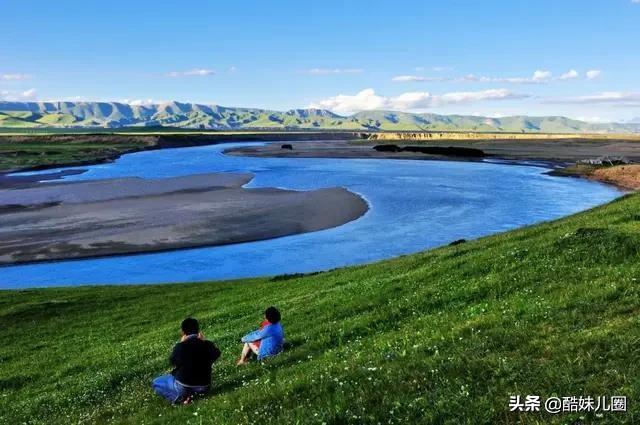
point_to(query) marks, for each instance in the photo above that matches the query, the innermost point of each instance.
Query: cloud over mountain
(367, 99)
(611, 97)
(12, 95)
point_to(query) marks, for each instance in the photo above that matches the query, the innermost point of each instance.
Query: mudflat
(55, 221)
(561, 151)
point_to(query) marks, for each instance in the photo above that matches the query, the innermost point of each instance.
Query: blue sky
(567, 57)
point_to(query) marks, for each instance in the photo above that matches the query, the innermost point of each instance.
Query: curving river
(414, 205)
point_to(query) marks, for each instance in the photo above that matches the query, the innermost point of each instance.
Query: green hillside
(17, 120)
(196, 116)
(444, 336)
(62, 120)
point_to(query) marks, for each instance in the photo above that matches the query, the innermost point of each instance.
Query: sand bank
(56, 221)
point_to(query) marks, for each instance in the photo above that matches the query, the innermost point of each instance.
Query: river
(414, 205)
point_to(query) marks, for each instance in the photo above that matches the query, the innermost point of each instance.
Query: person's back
(192, 359)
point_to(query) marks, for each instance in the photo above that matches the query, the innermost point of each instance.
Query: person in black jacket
(192, 359)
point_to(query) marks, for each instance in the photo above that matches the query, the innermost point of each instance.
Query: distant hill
(214, 117)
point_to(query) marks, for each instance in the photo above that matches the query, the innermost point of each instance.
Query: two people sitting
(193, 357)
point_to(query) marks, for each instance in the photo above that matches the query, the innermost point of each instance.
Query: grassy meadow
(443, 336)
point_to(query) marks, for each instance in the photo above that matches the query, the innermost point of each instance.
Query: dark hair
(190, 326)
(272, 314)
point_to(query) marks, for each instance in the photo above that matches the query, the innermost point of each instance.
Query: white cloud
(18, 96)
(593, 74)
(415, 78)
(612, 97)
(404, 78)
(232, 69)
(442, 68)
(201, 72)
(538, 77)
(334, 71)
(570, 75)
(140, 102)
(368, 100)
(364, 100)
(595, 120)
(14, 77)
(465, 97)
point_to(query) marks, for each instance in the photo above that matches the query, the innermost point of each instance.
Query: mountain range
(26, 115)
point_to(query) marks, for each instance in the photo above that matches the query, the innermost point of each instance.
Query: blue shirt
(271, 339)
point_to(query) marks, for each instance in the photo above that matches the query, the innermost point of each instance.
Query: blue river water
(414, 205)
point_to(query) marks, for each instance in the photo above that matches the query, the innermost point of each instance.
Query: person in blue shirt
(266, 341)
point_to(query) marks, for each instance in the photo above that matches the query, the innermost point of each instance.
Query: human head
(190, 326)
(272, 314)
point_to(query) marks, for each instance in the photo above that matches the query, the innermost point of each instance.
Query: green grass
(17, 119)
(444, 336)
(19, 155)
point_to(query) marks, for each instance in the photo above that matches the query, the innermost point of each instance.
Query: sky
(578, 58)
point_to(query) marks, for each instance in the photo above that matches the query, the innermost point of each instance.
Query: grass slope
(16, 120)
(443, 336)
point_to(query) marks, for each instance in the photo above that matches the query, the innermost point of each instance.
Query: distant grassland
(345, 134)
(35, 154)
(443, 336)
(37, 150)
(40, 148)
(458, 135)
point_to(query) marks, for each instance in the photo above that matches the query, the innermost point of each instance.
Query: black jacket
(192, 360)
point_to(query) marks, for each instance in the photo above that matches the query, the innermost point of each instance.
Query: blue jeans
(167, 387)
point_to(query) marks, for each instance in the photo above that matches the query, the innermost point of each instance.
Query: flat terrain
(444, 336)
(122, 216)
(561, 151)
(41, 151)
(17, 153)
(560, 154)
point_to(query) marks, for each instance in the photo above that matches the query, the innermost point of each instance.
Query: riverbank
(626, 177)
(56, 221)
(547, 310)
(558, 154)
(558, 151)
(44, 151)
